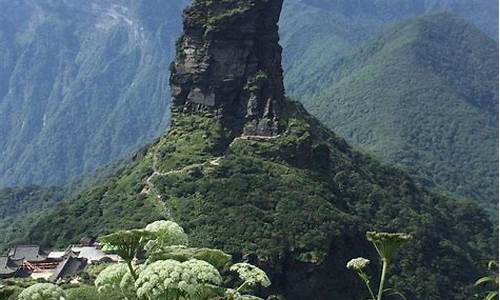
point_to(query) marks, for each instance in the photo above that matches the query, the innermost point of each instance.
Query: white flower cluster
(251, 275)
(205, 273)
(111, 277)
(358, 264)
(167, 233)
(235, 295)
(42, 291)
(127, 284)
(162, 277)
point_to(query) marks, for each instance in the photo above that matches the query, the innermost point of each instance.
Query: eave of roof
(27, 252)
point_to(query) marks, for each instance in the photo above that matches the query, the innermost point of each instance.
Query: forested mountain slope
(423, 95)
(317, 33)
(245, 170)
(81, 83)
(21, 207)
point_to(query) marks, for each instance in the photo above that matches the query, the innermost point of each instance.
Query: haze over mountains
(81, 83)
(317, 33)
(84, 83)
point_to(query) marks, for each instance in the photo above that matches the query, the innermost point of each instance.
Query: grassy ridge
(317, 33)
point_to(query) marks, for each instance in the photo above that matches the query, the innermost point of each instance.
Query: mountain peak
(229, 64)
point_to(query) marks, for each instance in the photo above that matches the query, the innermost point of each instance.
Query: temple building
(10, 268)
(31, 261)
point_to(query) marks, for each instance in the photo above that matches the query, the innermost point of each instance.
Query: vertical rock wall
(229, 63)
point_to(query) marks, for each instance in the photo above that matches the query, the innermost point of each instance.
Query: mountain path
(150, 187)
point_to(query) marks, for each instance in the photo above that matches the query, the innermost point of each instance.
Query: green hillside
(300, 202)
(83, 83)
(21, 207)
(423, 95)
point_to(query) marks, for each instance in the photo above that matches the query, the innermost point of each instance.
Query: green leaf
(491, 295)
(484, 280)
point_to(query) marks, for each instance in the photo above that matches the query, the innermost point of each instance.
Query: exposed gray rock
(229, 63)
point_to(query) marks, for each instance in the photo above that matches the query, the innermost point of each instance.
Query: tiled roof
(27, 252)
(57, 254)
(70, 266)
(92, 254)
(8, 266)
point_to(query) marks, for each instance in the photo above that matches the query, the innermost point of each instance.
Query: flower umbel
(387, 244)
(111, 277)
(251, 275)
(167, 234)
(162, 276)
(42, 291)
(203, 271)
(358, 264)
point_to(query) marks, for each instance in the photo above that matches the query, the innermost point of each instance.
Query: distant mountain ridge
(423, 95)
(77, 83)
(317, 33)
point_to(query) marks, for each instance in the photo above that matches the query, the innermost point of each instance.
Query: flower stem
(366, 280)
(370, 290)
(385, 264)
(131, 269)
(123, 293)
(242, 286)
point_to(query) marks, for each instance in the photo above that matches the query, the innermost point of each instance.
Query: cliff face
(81, 83)
(229, 63)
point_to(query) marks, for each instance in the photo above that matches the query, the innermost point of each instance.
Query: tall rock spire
(229, 63)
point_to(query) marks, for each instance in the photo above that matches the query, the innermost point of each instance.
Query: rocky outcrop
(229, 64)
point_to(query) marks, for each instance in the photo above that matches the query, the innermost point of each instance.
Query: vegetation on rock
(296, 202)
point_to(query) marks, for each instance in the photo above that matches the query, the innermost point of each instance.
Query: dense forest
(21, 207)
(424, 95)
(281, 200)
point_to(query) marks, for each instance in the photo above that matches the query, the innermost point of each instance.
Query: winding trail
(258, 138)
(150, 187)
